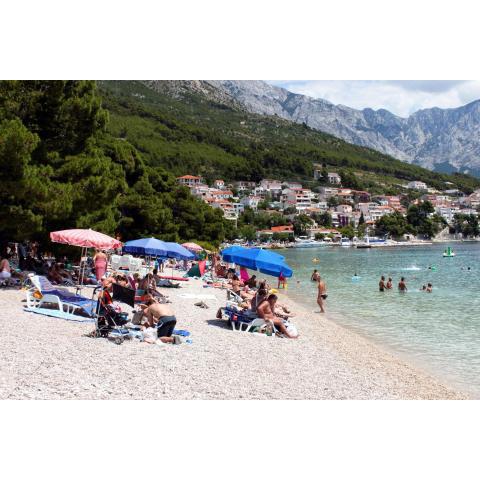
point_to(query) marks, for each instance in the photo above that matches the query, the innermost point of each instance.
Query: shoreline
(47, 358)
(383, 349)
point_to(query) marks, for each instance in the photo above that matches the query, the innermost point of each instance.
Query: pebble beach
(47, 358)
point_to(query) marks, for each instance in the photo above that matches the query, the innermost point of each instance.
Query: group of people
(261, 301)
(402, 285)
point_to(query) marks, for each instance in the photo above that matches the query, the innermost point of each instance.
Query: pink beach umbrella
(85, 238)
(193, 247)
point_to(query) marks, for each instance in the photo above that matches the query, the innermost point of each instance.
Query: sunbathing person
(258, 298)
(265, 310)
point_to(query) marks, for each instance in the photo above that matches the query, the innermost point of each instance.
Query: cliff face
(439, 139)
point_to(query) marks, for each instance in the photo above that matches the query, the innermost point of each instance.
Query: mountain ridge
(435, 138)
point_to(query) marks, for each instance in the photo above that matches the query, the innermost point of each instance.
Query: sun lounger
(47, 299)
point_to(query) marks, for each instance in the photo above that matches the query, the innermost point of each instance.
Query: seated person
(148, 285)
(265, 310)
(5, 269)
(122, 280)
(54, 275)
(156, 276)
(236, 285)
(252, 282)
(258, 298)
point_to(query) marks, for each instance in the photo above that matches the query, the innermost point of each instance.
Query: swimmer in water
(429, 288)
(389, 285)
(424, 288)
(315, 276)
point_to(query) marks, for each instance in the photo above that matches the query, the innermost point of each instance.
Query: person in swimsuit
(161, 316)
(429, 288)
(402, 286)
(389, 284)
(100, 262)
(381, 284)
(315, 276)
(322, 294)
(266, 311)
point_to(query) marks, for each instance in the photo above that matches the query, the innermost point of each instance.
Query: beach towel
(199, 296)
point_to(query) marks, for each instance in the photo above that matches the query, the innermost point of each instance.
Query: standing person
(402, 286)
(389, 284)
(381, 284)
(100, 263)
(22, 255)
(315, 276)
(322, 293)
(282, 281)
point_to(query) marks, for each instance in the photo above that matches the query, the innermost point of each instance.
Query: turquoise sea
(439, 332)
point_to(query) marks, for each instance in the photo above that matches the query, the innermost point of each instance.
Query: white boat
(345, 242)
(303, 242)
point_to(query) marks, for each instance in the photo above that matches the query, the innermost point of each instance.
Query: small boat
(306, 243)
(345, 242)
(449, 252)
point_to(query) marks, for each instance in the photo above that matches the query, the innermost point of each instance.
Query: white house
(189, 180)
(251, 201)
(417, 185)
(334, 178)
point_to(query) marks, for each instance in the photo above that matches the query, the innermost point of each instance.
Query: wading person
(381, 284)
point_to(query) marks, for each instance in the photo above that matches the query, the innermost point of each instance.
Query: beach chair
(47, 299)
(238, 318)
(115, 262)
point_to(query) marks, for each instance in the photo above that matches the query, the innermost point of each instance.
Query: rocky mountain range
(445, 140)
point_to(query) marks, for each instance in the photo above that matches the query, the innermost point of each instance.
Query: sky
(401, 97)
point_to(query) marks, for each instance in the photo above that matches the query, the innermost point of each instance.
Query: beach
(48, 358)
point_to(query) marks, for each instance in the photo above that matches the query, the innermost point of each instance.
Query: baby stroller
(109, 322)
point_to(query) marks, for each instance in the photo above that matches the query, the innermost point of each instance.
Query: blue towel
(182, 333)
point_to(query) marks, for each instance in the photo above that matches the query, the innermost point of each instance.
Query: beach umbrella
(85, 238)
(267, 262)
(193, 247)
(175, 250)
(147, 247)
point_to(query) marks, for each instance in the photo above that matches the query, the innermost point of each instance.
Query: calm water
(438, 331)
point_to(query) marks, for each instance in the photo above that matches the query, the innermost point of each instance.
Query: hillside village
(345, 206)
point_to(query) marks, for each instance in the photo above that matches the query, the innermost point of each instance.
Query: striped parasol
(85, 238)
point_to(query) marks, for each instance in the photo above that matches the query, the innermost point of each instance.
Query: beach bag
(292, 329)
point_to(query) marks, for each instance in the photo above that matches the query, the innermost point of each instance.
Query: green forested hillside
(61, 168)
(194, 134)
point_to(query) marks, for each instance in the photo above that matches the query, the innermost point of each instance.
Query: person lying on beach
(162, 317)
(402, 286)
(322, 294)
(282, 311)
(265, 310)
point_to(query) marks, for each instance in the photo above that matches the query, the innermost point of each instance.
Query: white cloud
(401, 97)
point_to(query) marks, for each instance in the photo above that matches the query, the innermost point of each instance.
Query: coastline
(47, 358)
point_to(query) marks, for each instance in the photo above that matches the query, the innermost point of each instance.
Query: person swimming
(315, 276)
(429, 288)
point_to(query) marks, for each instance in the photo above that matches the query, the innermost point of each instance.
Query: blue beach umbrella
(175, 250)
(267, 262)
(147, 246)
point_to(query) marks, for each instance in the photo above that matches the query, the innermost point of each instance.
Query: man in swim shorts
(402, 286)
(322, 293)
(381, 284)
(161, 316)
